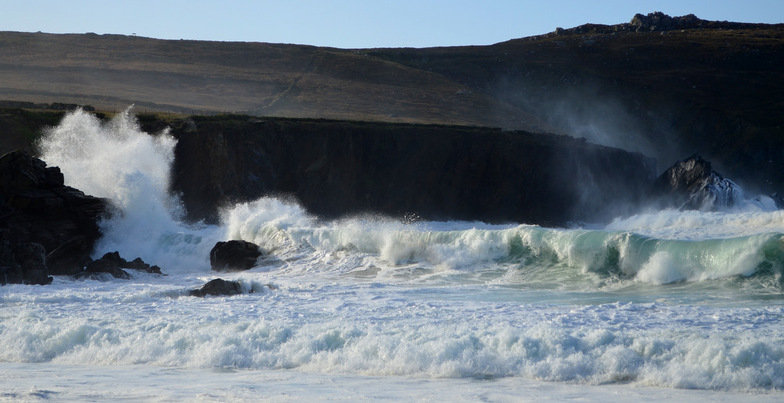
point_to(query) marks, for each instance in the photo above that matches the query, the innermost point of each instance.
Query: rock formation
(37, 208)
(234, 256)
(692, 184)
(218, 286)
(104, 265)
(22, 263)
(71, 257)
(113, 264)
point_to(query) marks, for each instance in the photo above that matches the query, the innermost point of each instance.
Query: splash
(118, 161)
(113, 159)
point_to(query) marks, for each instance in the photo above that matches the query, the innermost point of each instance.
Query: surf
(674, 299)
(117, 160)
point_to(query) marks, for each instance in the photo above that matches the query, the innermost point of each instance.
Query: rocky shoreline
(47, 228)
(336, 169)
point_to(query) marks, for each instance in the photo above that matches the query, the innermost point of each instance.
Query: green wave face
(529, 256)
(625, 256)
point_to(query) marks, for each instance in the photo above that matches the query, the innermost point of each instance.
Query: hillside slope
(666, 87)
(113, 71)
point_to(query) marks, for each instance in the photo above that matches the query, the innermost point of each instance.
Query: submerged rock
(103, 265)
(692, 184)
(112, 263)
(135, 264)
(218, 286)
(234, 256)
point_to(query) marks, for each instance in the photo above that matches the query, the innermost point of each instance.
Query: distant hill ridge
(656, 22)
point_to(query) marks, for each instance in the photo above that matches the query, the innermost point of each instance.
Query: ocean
(662, 306)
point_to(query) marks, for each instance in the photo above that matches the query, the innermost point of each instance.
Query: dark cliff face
(435, 172)
(36, 207)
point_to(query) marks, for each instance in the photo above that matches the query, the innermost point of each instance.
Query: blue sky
(356, 23)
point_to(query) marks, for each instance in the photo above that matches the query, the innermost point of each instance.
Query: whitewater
(663, 305)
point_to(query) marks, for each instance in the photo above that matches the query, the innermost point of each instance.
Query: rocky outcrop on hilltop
(659, 21)
(338, 168)
(692, 184)
(654, 22)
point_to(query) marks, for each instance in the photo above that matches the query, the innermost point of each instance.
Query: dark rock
(9, 270)
(71, 257)
(114, 264)
(139, 264)
(31, 260)
(22, 263)
(114, 258)
(106, 265)
(692, 184)
(135, 264)
(234, 255)
(218, 286)
(36, 207)
(658, 21)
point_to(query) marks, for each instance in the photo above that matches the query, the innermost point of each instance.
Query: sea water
(661, 306)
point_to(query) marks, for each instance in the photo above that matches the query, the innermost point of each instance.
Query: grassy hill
(112, 71)
(666, 87)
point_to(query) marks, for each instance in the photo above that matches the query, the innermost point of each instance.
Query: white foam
(385, 331)
(696, 225)
(29, 382)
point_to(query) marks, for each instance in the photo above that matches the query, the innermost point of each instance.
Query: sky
(356, 23)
